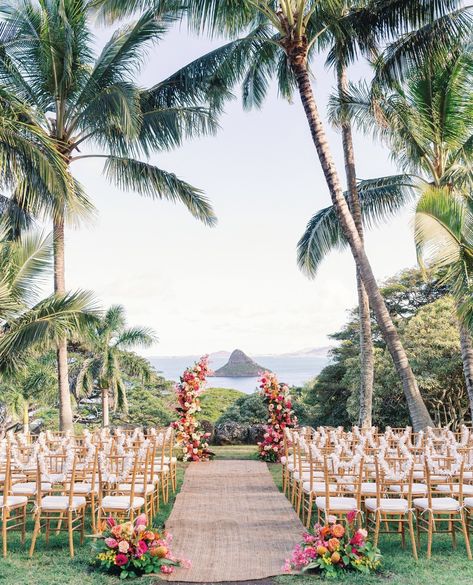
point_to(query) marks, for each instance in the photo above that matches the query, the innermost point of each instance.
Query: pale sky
(236, 285)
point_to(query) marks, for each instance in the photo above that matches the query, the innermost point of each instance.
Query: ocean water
(294, 371)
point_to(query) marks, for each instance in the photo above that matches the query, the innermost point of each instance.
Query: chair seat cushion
(85, 488)
(174, 460)
(418, 489)
(438, 504)
(161, 468)
(398, 505)
(318, 487)
(341, 504)
(455, 488)
(367, 488)
(139, 488)
(61, 503)
(29, 488)
(13, 501)
(122, 503)
(468, 502)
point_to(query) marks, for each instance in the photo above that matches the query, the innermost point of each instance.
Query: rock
(256, 433)
(231, 433)
(239, 365)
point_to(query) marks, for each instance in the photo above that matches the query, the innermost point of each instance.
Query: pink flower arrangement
(280, 417)
(189, 434)
(333, 549)
(131, 549)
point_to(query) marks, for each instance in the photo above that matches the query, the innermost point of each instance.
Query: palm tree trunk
(26, 417)
(418, 412)
(466, 346)
(65, 407)
(366, 340)
(105, 407)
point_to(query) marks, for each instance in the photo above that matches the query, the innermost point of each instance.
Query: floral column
(189, 434)
(281, 415)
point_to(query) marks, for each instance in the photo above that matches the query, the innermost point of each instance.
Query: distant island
(239, 365)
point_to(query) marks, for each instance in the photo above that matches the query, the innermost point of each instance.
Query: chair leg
(71, 535)
(309, 510)
(37, 528)
(5, 515)
(465, 534)
(430, 535)
(92, 512)
(376, 528)
(23, 527)
(412, 535)
(451, 527)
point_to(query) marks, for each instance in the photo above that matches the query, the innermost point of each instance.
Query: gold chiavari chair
(13, 507)
(143, 485)
(170, 459)
(347, 474)
(313, 484)
(386, 508)
(118, 468)
(63, 504)
(441, 507)
(86, 482)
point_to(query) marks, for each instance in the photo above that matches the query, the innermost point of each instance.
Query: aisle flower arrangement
(133, 549)
(333, 549)
(281, 416)
(190, 437)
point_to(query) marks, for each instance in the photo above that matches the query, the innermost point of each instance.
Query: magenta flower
(111, 542)
(121, 560)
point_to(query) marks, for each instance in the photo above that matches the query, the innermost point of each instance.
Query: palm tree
(26, 320)
(426, 122)
(106, 347)
(34, 383)
(97, 104)
(289, 34)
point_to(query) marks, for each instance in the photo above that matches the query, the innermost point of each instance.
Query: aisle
(233, 524)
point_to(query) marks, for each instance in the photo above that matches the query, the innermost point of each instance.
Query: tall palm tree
(290, 32)
(426, 123)
(96, 103)
(107, 346)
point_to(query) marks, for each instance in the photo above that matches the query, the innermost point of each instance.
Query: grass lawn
(51, 564)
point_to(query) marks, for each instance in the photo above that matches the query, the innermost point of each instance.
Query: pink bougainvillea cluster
(189, 434)
(281, 415)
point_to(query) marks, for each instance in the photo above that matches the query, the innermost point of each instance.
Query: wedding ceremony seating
(62, 480)
(394, 482)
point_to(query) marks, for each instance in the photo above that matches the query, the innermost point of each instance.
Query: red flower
(121, 560)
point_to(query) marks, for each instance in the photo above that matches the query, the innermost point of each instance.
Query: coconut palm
(106, 347)
(426, 123)
(94, 107)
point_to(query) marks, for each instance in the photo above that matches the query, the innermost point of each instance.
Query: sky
(236, 285)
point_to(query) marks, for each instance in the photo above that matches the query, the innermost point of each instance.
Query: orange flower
(147, 535)
(338, 530)
(335, 558)
(333, 544)
(325, 531)
(159, 551)
(321, 550)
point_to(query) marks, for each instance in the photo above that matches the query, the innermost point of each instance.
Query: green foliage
(426, 320)
(216, 401)
(249, 409)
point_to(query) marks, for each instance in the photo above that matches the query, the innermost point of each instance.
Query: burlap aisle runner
(232, 523)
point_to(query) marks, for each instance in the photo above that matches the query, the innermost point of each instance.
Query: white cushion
(121, 503)
(174, 460)
(387, 505)
(438, 504)
(418, 489)
(468, 502)
(318, 487)
(13, 501)
(306, 475)
(367, 487)
(84, 488)
(61, 503)
(29, 488)
(139, 488)
(337, 504)
(455, 488)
